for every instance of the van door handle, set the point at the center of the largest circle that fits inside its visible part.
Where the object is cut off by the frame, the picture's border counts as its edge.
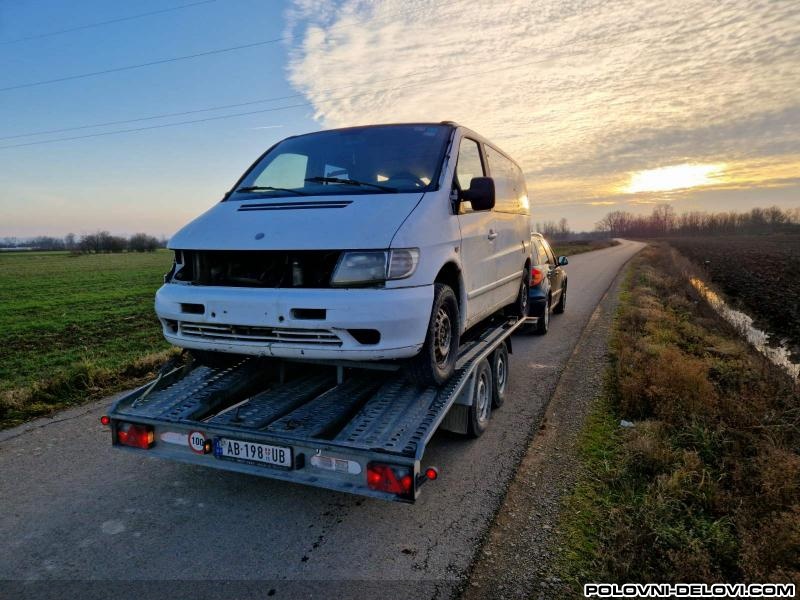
(492, 234)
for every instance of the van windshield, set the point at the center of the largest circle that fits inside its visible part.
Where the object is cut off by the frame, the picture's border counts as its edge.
(383, 159)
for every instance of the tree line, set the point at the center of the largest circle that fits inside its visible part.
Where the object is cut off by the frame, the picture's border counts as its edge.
(664, 221)
(554, 230)
(100, 242)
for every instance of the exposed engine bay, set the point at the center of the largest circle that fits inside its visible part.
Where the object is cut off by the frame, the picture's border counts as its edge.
(261, 268)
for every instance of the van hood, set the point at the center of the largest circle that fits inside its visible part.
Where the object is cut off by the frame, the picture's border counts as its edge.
(357, 222)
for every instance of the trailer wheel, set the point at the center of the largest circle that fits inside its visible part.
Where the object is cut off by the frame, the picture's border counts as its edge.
(500, 373)
(481, 409)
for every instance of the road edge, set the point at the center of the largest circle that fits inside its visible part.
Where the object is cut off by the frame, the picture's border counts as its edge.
(513, 560)
(59, 416)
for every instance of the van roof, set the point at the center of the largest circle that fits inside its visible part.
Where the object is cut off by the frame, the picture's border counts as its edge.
(412, 124)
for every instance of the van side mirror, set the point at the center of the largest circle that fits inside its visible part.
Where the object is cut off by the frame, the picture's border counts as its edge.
(562, 261)
(480, 193)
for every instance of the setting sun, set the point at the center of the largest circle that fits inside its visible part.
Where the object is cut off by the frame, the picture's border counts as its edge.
(675, 177)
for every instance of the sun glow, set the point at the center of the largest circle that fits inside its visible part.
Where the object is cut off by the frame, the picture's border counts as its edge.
(675, 177)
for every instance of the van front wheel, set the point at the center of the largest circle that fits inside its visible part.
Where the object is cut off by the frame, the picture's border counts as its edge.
(436, 362)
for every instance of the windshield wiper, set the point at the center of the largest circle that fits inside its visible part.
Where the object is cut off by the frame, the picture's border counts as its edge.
(269, 188)
(385, 188)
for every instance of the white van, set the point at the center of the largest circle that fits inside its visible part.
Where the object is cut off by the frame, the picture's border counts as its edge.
(371, 243)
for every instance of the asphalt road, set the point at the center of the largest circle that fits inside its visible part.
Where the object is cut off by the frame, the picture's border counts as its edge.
(78, 517)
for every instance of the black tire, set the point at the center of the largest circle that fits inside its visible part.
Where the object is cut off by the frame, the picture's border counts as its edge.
(543, 324)
(562, 301)
(500, 373)
(436, 362)
(481, 410)
(520, 307)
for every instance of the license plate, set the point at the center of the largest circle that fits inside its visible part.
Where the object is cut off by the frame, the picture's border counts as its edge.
(250, 452)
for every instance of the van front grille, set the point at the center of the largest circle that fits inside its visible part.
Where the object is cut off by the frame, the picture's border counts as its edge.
(263, 335)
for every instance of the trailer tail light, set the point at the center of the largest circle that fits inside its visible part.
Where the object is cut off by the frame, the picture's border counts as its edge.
(536, 276)
(394, 479)
(136, 436)
(105, 420)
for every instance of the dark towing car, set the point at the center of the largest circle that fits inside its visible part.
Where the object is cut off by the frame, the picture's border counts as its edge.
(548, 284)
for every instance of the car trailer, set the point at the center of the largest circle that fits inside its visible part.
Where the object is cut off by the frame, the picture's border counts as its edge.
(324, 424)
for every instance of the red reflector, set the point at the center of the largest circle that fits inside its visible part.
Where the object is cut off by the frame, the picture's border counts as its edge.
(105, 420)
(536, 276)
(136, 436)
(390, 478)
(431, 473)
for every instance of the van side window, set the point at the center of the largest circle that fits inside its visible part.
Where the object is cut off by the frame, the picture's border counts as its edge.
(509, 185)
(524, 203)
(469, 165)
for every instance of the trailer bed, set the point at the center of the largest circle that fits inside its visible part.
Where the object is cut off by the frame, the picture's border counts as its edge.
(331, 423)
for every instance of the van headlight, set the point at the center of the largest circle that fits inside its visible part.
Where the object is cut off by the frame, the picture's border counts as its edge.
(374, 266)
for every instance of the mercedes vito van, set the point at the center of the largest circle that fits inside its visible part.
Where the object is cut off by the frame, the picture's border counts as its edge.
(373, 243)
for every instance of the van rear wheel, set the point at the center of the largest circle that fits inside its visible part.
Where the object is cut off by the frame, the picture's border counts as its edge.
(520, 307)
(436, 362)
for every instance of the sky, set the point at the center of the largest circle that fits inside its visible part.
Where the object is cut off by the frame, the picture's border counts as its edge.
(606, 105)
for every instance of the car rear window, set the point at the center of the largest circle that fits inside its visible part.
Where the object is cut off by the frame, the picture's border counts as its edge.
(543, 253)
(550, 255)
(535, 254)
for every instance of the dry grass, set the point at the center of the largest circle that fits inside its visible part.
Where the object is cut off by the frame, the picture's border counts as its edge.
(81, 382)
(706, 486)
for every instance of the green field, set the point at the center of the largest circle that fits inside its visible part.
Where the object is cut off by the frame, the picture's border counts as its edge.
(71, 325)
(580, 246)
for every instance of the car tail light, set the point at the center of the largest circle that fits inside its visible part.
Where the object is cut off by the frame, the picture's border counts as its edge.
(536, 276)
(136, 436)
(394, 479)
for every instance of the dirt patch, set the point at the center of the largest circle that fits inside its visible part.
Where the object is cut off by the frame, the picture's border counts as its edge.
(760, 273)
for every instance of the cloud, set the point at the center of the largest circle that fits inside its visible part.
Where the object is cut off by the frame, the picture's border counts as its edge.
(580, 93)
